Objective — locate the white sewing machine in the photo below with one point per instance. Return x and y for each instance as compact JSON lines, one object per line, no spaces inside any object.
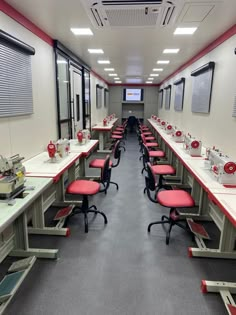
{"x":163,"y":124}
{"x":86,"y":135}
{"x":158,"y":120}
{"x":12,"y":176}
{"x":59,"y":148}
{"x":177,"y":135}
{"x":169,"y":128}
{"x":63,"y":147}
{"x":192,"y":145}
{"x":223,"y":168}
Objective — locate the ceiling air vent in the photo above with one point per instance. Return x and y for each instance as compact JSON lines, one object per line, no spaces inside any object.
{"x":130,"y":13}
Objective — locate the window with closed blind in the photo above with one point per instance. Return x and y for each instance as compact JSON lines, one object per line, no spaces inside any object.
{"x":15,"y":76}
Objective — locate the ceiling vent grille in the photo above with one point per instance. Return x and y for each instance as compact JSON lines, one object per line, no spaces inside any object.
{"x":130,"y":13}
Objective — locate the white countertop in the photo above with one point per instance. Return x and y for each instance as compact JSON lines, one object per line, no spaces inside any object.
{"x":42,"y":166}
{"x":8,"y":213}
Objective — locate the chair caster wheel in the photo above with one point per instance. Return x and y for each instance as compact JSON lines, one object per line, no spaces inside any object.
{"x":167,"y":239}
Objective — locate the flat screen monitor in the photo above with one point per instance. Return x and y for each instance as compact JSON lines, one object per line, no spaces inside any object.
{"x":133,"y":95}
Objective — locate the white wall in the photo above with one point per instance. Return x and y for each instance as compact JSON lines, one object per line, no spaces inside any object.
{"x":218,"y":127}
{"x":29,"y":135}
{"x":149,"y":97}
{"x":97,"y":114}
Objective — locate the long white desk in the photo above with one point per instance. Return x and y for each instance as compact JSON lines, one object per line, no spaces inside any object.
{"x":102,"y":130}
{"x":227,"y":203}
{"x":85,"y":150}
{"x":215,"y":200}
{"x":192,"y":171}
{"x":64,"y":170}
{"x":14,"y":240}
{"x":13,"y":221}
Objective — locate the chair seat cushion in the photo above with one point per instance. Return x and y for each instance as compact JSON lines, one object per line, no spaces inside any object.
{"x":156,"y":153}
{"x":151,"y":144}
{"x":175,"y":199}
{"x":98,"y":163}
{"x":149,"y":138}
{"x":120,"y":129}
{"x":116,"y":137}
{"x":117,"y":132}
{"x":163,"y":169}
{"x":147,"y":133}
{"x":83,"y":187}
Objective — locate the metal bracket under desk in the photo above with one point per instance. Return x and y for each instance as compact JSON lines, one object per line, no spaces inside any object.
{"x":105,"y":151}
{"x":38,"y":219}
{"x":21,"y":248}
{"x":4,"y":304}
{"x":226,"y":247}
{"x":225,"y":289}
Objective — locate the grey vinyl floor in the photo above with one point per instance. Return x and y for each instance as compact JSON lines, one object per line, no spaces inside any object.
{"x":119,"y":269}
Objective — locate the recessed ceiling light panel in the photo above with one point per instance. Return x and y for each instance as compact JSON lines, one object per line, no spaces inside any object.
{"x":82,"y":31}
{"x":157,"y":69}
{"x":154,"y":75}
{"x":171,"y":51}
{"x":109,"y":69}
{"x":163,"y":61}
{"x":95,"y":51}
{"x":105,"y":62}
{"x":185,"y":30}
{"x":112,"y":74}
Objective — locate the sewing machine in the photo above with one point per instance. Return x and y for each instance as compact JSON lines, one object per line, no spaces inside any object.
{"x":163,"y":124}
{"x":12,"y":176}
{"x":177,"y":135}
{"x":158,"y":120}
{"x":63,"y":147}
{"x":169,"y":128}
{"x":60,"y":148}
{"x":86,"y":135}
{"x":222,"y":167}
{"x":192,"y":145}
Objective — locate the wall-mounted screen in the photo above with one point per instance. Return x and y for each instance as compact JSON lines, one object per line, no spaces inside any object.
{"x":133,"y":95}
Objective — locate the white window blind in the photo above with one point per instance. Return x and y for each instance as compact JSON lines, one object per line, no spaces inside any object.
{"x":167,"y":97}
{"x":160,"y":98}
{"x":202,"y":87}
{"x":179,"y":94}
{"x":15,"y":78}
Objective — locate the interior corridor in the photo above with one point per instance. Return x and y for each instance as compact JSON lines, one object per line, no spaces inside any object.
{"x":119,"y":269}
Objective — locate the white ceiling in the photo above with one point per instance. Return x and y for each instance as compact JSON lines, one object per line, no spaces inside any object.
{"x":133,"y":51}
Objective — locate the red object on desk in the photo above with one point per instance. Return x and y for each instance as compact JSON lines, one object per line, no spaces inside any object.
{"x":80,"y":136}
{"x":51,"y":149}
{"x":104,"y":122}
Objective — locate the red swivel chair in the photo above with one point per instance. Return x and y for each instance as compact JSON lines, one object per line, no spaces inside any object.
{"x":84,"y":188}
{"x":149,"y":154}
{"x":99,"y":163}
{"x":149,"y":144}
{"x":173,"y":199}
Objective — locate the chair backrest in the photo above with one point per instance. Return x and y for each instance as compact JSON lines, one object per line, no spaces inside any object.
{"x":116,"y":153}
{"x":146,"y":157}
{"x":143,"y":138}
{"x":152,"y":183}
{"x":106,"y":170}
